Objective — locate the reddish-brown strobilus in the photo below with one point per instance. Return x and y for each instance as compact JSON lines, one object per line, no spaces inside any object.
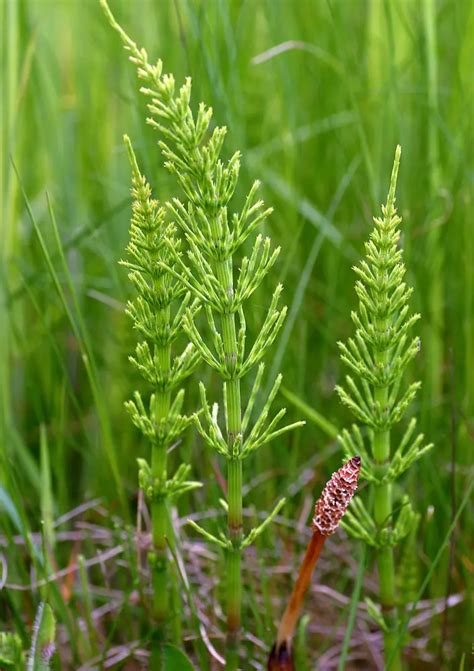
{"x":328,"y":512}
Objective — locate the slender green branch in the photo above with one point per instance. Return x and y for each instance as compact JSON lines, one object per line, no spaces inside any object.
{"x":383,"y":514}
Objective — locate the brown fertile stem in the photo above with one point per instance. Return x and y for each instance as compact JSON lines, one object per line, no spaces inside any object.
{"x":288,"y":622}
{"x":328,"y":512}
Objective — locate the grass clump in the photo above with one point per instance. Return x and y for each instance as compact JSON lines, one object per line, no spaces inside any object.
{"x":378,"y":356}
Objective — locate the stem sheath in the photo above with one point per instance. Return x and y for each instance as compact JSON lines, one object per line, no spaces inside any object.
{"x":234,"y":477}
{"x":159,"y":514}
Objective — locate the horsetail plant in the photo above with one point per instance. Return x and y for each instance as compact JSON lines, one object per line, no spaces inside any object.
{"x":161,"y":422}
{"x":378,"y":356}
{"x":214,"y":235}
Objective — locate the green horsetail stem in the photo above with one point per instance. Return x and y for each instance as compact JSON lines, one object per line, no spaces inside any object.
{"x":155,"y":318}
{"x":377,"y":356}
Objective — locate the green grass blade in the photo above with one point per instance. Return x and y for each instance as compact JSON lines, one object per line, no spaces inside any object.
{"x":310,"y":413}
{"x":43,"y":641}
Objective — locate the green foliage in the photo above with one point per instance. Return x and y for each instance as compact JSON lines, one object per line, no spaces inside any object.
{"x":313,"y":118}
{"x":43,"y":639}
{"x":150,"y":312}
{"x":214,"y":233}
{"x":11,"y":653}
{"x":192,"y":153}
{"x":42,"y":648}
{"x":378,"y":356}
{"x":150,"y":264}
{"x":175,"y":659}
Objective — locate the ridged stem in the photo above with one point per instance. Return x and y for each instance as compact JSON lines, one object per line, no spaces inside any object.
{"x":159,"y":516}
{"x":234,"y":479}
{"x":382,"y":515}
{"x":176,"y":633}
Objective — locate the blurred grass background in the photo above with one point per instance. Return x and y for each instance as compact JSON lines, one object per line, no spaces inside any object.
{"x":316,"y":94}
